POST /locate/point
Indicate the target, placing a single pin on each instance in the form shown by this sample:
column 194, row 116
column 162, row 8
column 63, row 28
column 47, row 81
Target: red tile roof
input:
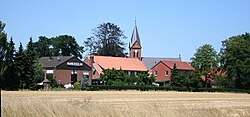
column 107, row 62
column 179, row 65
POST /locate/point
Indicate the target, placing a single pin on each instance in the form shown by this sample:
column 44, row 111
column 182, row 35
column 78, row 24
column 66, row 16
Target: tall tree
column 67, row 45
column 9, row 79
column 3, row 48
column 3, row 41
column 30, row 67
column 106, row 41
column 42, row 46
column 20, row 62
column 236, row 60
column 176, row 79
column 205, row 60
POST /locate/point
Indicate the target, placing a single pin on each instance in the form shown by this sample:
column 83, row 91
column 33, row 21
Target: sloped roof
column 52, row 62
column 135, row 37
column 179, row 65
column 129, row 64
column 150, row 62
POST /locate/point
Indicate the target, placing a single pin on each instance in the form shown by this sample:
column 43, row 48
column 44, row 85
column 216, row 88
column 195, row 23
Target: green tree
column 41, row 47
column 20, row 61
column 106, row 41
column 176, row 78
column 3, row 49
column 193, row 79
column 236, row 60
column 205, row 60
column 67, row 45
column 144, row 79
column 10, row 81
column 32, row 67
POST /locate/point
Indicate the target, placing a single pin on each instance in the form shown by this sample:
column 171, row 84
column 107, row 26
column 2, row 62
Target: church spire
column 135, row 44
column 135, row 36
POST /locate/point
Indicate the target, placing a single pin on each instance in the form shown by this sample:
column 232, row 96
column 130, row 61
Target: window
column 155, row 73
column 49, row 71
column 73, row 72
column 135, row 73
column 166, row 73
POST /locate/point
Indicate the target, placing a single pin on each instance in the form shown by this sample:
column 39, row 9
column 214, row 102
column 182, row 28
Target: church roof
column 150, row 62
column 135, row 37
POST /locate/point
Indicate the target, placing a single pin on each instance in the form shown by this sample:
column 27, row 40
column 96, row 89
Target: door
column 73, row 76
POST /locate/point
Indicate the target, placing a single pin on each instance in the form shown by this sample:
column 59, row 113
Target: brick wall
column 161, row 69
column 63, row 75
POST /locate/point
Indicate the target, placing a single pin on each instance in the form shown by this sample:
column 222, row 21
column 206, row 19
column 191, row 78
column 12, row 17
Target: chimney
column 91, row 71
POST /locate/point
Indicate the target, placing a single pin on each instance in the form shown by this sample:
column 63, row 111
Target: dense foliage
column 119, row 77
column 62, row 45
column 205, row 60
column 106, row 41
column 19, row 69
column 235, row 55
column 182, row 78
column 23, row 68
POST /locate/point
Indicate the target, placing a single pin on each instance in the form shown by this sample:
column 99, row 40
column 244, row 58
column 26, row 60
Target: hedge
column 162, row 88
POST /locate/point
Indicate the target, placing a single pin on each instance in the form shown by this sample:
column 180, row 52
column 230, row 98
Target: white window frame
column 166, row 73
column 155, row 73
column 49, row 71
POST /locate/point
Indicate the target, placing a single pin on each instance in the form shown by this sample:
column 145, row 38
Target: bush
column 77, row 85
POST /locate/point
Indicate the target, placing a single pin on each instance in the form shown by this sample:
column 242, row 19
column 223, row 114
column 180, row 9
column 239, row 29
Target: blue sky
column 167, row 28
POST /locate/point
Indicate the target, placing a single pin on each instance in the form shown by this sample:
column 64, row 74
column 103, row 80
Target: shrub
column 77, row 85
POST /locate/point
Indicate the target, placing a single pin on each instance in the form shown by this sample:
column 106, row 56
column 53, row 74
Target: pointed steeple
column 135, row 37
column 135, row 44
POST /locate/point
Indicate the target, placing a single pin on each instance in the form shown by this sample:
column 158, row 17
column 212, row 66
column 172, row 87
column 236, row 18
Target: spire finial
column 135, row 20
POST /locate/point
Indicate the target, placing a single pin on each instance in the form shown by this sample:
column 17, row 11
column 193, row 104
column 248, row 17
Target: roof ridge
column 162, row 57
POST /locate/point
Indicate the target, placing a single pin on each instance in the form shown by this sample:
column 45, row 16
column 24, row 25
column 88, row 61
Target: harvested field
column 123, row 104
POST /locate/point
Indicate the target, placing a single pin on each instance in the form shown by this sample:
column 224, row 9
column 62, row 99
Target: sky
column 167, row 28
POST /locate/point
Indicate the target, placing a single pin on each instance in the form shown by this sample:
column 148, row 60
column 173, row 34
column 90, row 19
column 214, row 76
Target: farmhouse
column 65, row 69
column 162, row 70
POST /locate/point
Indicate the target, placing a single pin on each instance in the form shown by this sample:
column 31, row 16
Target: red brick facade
column 135, row 51
column 64, row 76
column 161, row 69
column 65, row 70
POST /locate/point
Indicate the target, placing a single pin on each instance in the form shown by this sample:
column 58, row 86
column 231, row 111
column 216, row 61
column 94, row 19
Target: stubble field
column 123, row 104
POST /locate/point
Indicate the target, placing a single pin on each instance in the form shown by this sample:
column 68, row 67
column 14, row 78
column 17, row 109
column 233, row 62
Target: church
column 136, row 63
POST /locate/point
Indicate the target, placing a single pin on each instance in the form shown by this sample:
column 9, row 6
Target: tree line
column 229, row 68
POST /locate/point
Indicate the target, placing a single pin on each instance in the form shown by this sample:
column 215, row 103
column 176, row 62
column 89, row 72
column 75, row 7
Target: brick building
column 129, row 65
column 162, row 70
column 65, row 69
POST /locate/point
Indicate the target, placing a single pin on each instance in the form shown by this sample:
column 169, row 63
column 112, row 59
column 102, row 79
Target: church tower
column 135, row 44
